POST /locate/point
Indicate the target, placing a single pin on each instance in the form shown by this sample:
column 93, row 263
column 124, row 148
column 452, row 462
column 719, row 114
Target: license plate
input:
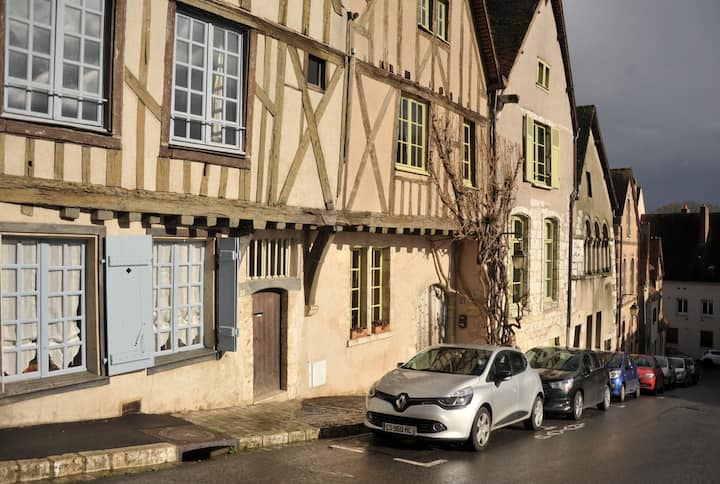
column 400, row 429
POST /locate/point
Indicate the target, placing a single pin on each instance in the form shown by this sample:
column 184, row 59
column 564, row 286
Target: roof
column 588, row 122
column 486, row 44
column 685, row 255
column 621, row 178
column 510, row 21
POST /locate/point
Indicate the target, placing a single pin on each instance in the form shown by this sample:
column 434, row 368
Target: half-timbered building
column 207, row 203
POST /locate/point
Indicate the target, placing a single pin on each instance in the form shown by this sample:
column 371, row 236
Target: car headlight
column 614, row 374
column 563, row 385
column 649, row 376
column 460, row 398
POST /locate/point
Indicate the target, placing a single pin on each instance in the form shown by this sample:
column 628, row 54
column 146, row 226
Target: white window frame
column 175, row 266
column 368, row 301
column 707, row 308
column 54, row 88
column 406, row 147
column 682, row 305
column 206, row 119
column 42, row 346
column 546, row 179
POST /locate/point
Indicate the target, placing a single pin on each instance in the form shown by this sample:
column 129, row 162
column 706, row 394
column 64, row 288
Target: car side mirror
column 502, row 375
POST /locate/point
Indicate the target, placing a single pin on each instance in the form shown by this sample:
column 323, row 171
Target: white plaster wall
column 689, row 325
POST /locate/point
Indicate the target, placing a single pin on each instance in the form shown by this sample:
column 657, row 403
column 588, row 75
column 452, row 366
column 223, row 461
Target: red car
column 650, row 373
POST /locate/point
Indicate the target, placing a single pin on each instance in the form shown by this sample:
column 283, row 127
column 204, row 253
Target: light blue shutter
column 128, row 295
column 227, row 281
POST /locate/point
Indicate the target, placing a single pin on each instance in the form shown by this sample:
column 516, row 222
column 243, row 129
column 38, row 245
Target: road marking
column 420, row 464
column 661, row 398
column 621, row 406
column 357, row 450
column 554, row 431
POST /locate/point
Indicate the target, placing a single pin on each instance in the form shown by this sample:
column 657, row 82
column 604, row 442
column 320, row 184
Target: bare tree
column 482, row 215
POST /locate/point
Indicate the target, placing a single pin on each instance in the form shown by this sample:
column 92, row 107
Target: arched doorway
column 268, row 347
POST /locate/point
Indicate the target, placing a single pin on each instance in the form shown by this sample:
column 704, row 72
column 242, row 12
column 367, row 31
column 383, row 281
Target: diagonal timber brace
column 312, row 261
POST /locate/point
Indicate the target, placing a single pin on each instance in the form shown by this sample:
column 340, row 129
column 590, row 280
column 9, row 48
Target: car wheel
column 637, row 392
column 535, row 420
column 577, row 408
column 605, row 404
column 480, row 431
column 622, row 394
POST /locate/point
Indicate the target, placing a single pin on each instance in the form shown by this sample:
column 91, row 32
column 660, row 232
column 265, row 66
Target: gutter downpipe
column 573, row 197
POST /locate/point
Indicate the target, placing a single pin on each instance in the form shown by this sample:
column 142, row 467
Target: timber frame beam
column 313, row 257
column 41, row 192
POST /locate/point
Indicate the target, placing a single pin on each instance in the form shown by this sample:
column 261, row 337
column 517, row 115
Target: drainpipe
column 571, row 207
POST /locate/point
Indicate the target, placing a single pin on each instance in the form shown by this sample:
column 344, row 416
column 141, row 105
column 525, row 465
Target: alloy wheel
column 482, row 429
column 606, row 398
column 577, row 406
column 538, row 413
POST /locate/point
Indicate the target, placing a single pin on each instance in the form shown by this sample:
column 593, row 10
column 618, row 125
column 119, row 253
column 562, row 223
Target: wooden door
column 267, row 348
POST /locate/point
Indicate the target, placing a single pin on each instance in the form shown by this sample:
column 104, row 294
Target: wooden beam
column 153, row 219
column 264, row 98
column 85, row 160
column 210, row 221
column 69, row 213
column 259, row 224
column 59, row 161
column 274, row 158
column 143, row 95
column 312, row 262
column 101, row 215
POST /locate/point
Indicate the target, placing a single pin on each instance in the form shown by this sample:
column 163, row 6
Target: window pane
column 89, row 111
column 180, row 128
column 196, row 102
column 195, row 130
column 69, row 108
column 40, row 69
column 182, row 50
column 91, row 81
column 18, row 34
column 181, row 76
column 180, row 100
column 72, row 20
column 18, row 8
column 92, row 53
column 18, row 65
column 93, row 24
column 39, row 102
column 197, row 80
column 71, row 76
column 183, row 27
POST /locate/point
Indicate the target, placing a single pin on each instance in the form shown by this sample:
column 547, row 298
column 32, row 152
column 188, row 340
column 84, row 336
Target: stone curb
column 88, row 462
column 249, row 442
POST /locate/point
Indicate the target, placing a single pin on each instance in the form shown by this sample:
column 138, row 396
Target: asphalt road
column 673, row 438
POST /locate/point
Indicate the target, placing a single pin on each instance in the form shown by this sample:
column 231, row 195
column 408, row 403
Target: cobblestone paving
column 277, row 423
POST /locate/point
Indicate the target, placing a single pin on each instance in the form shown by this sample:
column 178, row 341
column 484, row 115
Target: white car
column 710, row 358
column 457, row 392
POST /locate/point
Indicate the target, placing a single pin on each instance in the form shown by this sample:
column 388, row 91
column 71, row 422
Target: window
column 608, row 344
column 588, row 180
column 178, row 287
column 707, row 308
column 682, row 306
column 55, row 60
column 208, row 80
column 588, row 248
column 424, row 12
column 411, row 135
column 672, row 335
column 550, row 255
column 517, row 362
column 375, row 263
column 43, row 307
column 598, row 329
column 606, row 249
column 542, row 153
column 543, row 74
column 519, row 245
column 268, row 258
column 442, row 20
column 576, row 339
column 588, row 332
column 469, row 170
column 706, row 339
column 629, row 228
column 631, row 281
column 316, row 72
column 624, row 277
column 596, row 250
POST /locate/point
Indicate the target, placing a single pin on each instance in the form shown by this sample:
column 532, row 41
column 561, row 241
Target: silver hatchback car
column 457, row 392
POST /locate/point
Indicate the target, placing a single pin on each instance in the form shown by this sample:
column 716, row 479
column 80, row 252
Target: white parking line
column 620, row 406
column 357, row 450
column 420, row 464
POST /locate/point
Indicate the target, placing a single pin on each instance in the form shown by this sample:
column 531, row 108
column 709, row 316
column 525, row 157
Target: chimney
column 704, row 223
column 685, row 209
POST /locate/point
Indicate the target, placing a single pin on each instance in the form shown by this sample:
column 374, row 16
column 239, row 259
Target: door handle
column 258, row 315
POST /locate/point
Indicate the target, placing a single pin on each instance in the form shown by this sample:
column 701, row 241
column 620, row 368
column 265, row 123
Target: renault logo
column 401, row 402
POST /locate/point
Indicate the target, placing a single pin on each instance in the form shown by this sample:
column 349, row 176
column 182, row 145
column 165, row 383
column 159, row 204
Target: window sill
column 234, row 160
column 66, row 134
column 182, row 358
column 410, row 169
column 425, row 30
column 40, row 387
column 544, row 89
column 536, row 184
column 369, row 339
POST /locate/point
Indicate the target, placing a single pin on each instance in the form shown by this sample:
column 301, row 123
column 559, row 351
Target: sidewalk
column 136, row 441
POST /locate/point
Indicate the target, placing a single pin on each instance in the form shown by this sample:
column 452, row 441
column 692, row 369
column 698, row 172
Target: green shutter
column 529, row 147
column 555, row 162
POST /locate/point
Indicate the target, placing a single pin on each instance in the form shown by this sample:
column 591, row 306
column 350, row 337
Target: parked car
column 710, row 358
column 681, row 374
column 622, row 373
column 650, row 373
column 456, row 392
column 572, row 380
column 668, row 373
column 693, row 370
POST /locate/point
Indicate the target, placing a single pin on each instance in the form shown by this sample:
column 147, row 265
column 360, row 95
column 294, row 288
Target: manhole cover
column 186, row 433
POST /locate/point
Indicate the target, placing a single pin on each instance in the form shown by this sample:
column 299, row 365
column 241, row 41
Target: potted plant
column 380, row 326
column 358, row 332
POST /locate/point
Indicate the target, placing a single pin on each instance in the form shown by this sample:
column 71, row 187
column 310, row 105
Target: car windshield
column 677, row 363
column 616, row 362
column 553, row 359
column 643, row 361
column 661, row 361
column 458, row 361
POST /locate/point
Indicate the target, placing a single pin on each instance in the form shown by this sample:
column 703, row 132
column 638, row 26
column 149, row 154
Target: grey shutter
column 227, row 281
column 129, row 303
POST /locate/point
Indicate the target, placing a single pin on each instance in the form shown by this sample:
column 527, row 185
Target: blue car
column 622, row 373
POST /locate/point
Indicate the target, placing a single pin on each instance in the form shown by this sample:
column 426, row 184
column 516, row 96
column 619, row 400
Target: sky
column 652, row 68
